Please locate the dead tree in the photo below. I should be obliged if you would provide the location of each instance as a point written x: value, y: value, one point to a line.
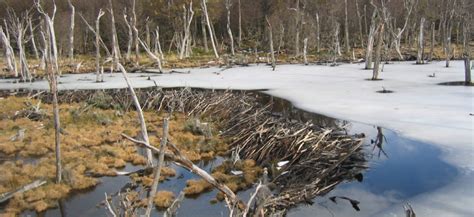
x: 152, y: 55
x: 188, y: 15
x: 318, y: 34
x: 270, y: 37
x: 359, y: 19
x: 228, y: 5
x: 370, y: 42
x: 147, y: 32
x: 378, y: 51
x: 53, y: 73
x: 204, y: 33
x: 130, y: 37
x: 157, y: 170
x: 99, y: 74
x: 158, y: 50
x: 467, y: 22
x: 92, y: 29
x: 432, y: 43
x: 9, y: 55
x: 305, y: 51
x: 32, y: 37
x: 397, y: 33
x: 144, y: 133
x: 336, y: 43
x: 298, y: 27
x: 346, y: 28
x: 447, y: 28
x: 281, y: 40
x: 116, y: 55
x: 71, y: 30
x: 136, y: 36
x: 209, y: 27
x: 18, y: 27
x: 419, y: 58
x: 240, y: 25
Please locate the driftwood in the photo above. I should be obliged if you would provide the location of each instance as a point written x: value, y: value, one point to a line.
x: 173, y: 209
x: 6, y: 196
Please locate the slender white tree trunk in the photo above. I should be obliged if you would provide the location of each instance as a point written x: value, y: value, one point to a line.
x: 318, y: 34
x: 419, y: 59
x: 433, y: 39
x: 71, y: 30
x: 370, y: 43
x: 378, y: 52
x: 240, y: 25
x: 116, y: 54
x: 346, y: 28
x: 187, y: 20
x: 99, y: 75
x: 228, y: 5
x: 157, y: 170
x: 130, y: 38
x: 135, y: 32
x: 208, y: 22
x: 10, y: 59
x: 158, y: 44
x: 305, y: 51
x: 270, y: 37
x: 32, y: 35
x: 359, y: 19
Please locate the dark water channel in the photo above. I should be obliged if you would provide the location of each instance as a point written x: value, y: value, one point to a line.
x: 408, y: 169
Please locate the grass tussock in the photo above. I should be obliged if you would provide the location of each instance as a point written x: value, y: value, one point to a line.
x: 163, y: 199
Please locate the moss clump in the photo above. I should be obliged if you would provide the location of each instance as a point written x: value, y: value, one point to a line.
x: 196, y: 187
x: 163, y: 199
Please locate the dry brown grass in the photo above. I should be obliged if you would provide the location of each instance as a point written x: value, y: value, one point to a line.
x: 163, y: 199
x: 91, y: 145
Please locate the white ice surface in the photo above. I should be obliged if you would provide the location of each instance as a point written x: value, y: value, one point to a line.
x: 418, y: 109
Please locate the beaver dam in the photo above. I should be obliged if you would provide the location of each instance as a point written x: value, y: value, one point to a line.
x: 270, y: 156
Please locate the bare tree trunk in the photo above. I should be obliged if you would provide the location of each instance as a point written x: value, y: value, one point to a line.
x: 298, y: 28
x: 346, y: 28
x: 52, y: 72
x: 378, y: 52
x: 32, y: 35
x: 71, y: 30
x: 151, y: 55
x: 24, y: 70
x: 141, y: 118
x: 130, y: 37
x: 370, y: 43
x: 99, y: 75
x: 135, y: 32
x: 147, y: 32
x: 336, y: 43
x: 282, y: 35
x: 270, y: 37
x: 419, y: 59
x: 359, y: 19
x: 10, y: 59
x: 208, y: 22
x: 204, y: 34
x: 305, y: 51
x: 467, y: 49
x: 116, y: 54
x: 157, y: 170
x: 318, y: 34
x: 228, y: 5
x: 240, y: 25
x: 158, y: 44
x: 433, y: 38
x: 187, y: 20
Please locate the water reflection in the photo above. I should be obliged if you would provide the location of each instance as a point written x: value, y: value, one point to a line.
x: 413, y: 168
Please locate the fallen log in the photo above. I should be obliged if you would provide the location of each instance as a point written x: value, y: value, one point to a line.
x: 8, y: 195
